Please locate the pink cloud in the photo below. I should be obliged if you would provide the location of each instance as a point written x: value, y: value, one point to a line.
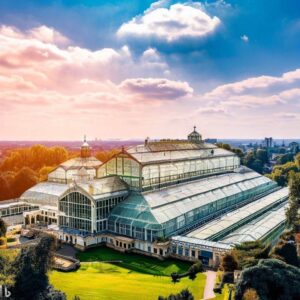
x: 157, y: 88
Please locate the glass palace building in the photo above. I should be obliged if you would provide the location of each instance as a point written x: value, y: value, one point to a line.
x: 182, y: 198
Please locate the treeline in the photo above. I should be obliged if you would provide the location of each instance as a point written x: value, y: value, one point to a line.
x: 254, y: 160
x: 283, y: 173
x: 23, y: 168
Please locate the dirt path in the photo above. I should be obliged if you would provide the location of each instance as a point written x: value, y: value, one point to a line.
x: 209, y: 286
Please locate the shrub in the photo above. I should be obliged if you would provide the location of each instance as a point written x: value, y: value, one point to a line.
x: 229, y: 262
x: 11, y: 239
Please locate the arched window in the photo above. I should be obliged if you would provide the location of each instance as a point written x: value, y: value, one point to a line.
x: 77, y: 211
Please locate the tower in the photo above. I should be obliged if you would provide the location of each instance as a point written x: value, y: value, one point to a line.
x: 194, y: 136
x: 85, y: 150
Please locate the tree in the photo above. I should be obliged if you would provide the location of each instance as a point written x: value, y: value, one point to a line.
x: 183, y: 295
x: 229, y: 262
x: 297, y: 160
x: 249, y: 253
x: 272, y: 279
x: 3, y: 228
x: 32, y: 265
x: 262, y: 155
x: 283, y: 159
x: 250, y: 294
x: 286, y: 251
x: 7, y: 270
x: 194, y: 269
x: 292, y: 213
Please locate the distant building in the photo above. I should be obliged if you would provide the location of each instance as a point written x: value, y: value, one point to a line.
x: 294, y: 147
x: 211, y: 141
x: 268, y: 142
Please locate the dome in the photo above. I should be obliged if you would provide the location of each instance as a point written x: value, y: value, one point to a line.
x: 194, y: 136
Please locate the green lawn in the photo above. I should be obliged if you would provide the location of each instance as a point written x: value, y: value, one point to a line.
x: 135, y: 262
x: 106, y: 281
x: 137, y: 277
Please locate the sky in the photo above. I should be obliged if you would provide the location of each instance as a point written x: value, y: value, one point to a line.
x: 134, y: 69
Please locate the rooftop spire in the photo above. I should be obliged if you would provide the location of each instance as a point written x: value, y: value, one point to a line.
x: 194, y: 136
x: 85, y: 148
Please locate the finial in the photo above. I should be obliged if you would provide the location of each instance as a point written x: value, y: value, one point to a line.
x: 194, y: 128
x: 84, y: 138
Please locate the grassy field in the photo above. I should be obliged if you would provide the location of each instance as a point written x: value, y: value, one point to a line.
x: 106, y: 281
x: 136, y: 277
x: 135, y: 262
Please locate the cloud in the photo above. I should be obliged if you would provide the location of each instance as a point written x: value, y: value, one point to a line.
x: 157, y: 88
x: 290, y: 94
x: 44, y: 74
x: 253, y: 83
x: 171, y: 24
x: 212, y: 111
x: 42, y: 33
x: 287, y: 115
x: 245, y: 38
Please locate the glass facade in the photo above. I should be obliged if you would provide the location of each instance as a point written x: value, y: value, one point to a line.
x: 162, y: 174
x: 127, y: 168
x: 170, y: 211
x: 15, y: 208
x: 77, y: 212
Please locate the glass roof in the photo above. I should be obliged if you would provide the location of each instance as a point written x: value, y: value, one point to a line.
x: 102, y: 186
x: 45, y: 193
x: 258, y: 228
x: 48, y: 193
x: 79, y: 162
x: 225, y: 222
x: 198, y: 243
x: 134, y: 211
x: 171, y: 202
x: 172, y: 151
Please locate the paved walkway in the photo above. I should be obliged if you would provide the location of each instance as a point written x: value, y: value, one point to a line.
x: 67, y: 250
x: 209, y: 286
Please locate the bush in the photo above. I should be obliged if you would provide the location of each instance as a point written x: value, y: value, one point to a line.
x: 194, y: 269
x: 183, y: 295
x: 228, y: 277
x: 229, y: 262
x: 11, y: 239
x: 2, y: 241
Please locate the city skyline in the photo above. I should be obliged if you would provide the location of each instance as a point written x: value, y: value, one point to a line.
x: 127, y: 69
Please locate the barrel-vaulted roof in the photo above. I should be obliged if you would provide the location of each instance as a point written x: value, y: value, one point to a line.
x: 165, y: 204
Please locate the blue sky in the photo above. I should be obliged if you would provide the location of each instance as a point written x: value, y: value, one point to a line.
x: 203, y: 44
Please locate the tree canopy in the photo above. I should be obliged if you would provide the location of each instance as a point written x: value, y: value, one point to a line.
x: 271, y: 279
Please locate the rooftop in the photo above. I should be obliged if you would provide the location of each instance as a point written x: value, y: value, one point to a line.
x: 259, y: 228
x: 160, y: 206
x: 226, y: 222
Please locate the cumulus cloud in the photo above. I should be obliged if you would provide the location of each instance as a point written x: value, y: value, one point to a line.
x: 245, y: 38
x: 157, y: 88
x: 171, y: 24
x: 41, y: 33
x: 253, y: 84
x: 42, y: 75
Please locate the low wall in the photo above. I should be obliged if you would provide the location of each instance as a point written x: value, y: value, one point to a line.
x: 75, y: 263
